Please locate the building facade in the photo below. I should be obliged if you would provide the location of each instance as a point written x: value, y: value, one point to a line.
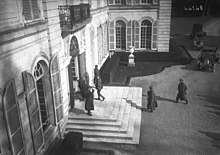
x: 45, y: 45
x: 143, y: 24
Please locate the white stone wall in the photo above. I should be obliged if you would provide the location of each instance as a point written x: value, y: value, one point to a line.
x: 98, y: 19
x: 137, y: 15
x: 164, y: 25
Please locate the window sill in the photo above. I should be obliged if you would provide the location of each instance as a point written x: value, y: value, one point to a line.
x: 25, y: 26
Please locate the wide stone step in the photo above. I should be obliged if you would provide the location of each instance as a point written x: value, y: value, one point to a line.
x: 92, y: 122
x: 115, y: 120
x: 90, y: 134
x: 95, y: 128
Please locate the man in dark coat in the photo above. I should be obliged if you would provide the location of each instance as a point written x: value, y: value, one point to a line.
x: 89, y: 105
x: 99, y: 86
x: 83, y: 87
x: 152, y: 102
x: 96, y: 73
x: 181, y: 92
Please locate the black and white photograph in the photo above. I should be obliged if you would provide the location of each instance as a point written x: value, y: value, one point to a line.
x: 109, y: 77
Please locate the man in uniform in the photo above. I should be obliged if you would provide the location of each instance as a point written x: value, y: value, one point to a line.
x: 181, y: 92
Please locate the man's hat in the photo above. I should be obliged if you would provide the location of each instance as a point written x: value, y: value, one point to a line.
x: 151, y: 87
x: 181, y: 80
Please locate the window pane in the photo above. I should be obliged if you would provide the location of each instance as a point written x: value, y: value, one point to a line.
x: 17, y: 142
x: 38, y: 139
x: 35, y: 8
x: 59, y: 113
x: 14, y: 122
x: 33, y: 101
x: 10, y: 97
x: 27, y: 10
x: 56, y: 81
x: 36, y: 120
x: 57, y: 97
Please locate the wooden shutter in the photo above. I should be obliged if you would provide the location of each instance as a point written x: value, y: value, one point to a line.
x: 35, y: 8
x: 56, y: 88
x: 13, y: 119
x: 26, y: 9
x: 136, y: 34
x: 129, y: 34
x: 110, y: 2
x: 33, y: 110
x: 154, y: 41
x: 111, y: 36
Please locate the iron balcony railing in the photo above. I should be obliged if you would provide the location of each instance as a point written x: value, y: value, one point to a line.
x: 73, y: 14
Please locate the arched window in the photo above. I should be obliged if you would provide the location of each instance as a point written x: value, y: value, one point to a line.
x: 120, y: 29
x: 146, y: 31
x: 40, y: 84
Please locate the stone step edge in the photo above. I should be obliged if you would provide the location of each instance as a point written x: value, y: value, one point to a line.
x: 104, y: 135
x: 111, y: 140
x: 104, y: 128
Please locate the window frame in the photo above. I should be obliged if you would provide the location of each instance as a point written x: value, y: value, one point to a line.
x: 39, y: 7
x: 151, y: 35
x: 121, y: 35
x: 10, y: 135
x: 120, y: 2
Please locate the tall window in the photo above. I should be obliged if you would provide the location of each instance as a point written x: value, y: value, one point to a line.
x: 31, y: 10
x: 120, y: 30
x: 39, y: 74
x: 146, y: 31
x: 120, y: 1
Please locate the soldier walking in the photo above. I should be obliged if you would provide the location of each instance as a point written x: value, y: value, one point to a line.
x: 181, y: 92
x: 152, y: 102
x: 99, y: 86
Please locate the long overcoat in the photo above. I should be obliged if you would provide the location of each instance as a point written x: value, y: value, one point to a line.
x: 89, y: 104
x: 96, y: 74
x: 83, y: 87
x: 152, y: 102
x: 182, y: 91
x: 98, y: 84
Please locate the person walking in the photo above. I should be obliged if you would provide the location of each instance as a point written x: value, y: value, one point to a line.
x: 96, y: 73
x: 181, y: 92
x: 99, y: 86
x: 152, y: 102
x: 89, y: 104
x: 83, y: 87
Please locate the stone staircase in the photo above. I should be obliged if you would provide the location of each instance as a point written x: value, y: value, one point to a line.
x: 117, y: 119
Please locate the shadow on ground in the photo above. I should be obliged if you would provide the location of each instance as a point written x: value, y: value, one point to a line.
x: 141, y: 69
x: 165, y: 99
x: 214, y: 107
x: 212, y: 99
x: 214, y: 136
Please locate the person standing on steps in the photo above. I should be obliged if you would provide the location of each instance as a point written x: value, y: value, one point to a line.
x: 181, y: 92
x: 83, y: 87
x: 89, y: 104
x: 152, y: 102
x: 96, y: 73
x: 99, y: 86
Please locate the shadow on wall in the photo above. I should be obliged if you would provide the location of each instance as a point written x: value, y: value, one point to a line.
x: 214, y: 136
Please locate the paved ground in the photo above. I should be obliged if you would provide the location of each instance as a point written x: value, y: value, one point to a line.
x: 176, y: 128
